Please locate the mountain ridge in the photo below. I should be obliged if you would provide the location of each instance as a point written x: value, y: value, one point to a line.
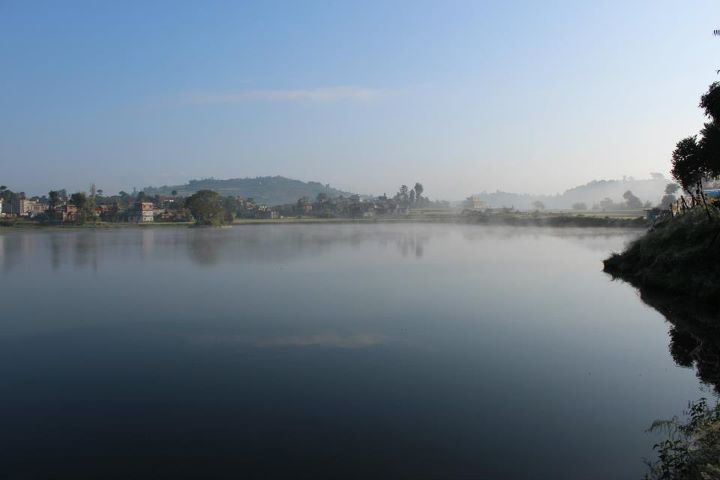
x: 270, y: 190
x: 593, y: 192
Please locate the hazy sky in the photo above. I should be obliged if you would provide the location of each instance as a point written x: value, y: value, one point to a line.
x: 461, y: 96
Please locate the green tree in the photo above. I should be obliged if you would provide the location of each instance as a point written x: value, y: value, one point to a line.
x: 710, y: 148
x: 53, y: 199
x: 53, y: 202
x: 710, y: 101
x: 403, y: 194
x: 579, y: 206
x: 687, y: 164
x: 83, y: 204
x: 607, y: 203
x: 206, y: 208
x: 538, y: 205
x: 669, y: 198
x: 631, y: 201
x: 419, y: 189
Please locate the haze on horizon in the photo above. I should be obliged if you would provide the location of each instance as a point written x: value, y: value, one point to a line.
x: 461, y: 96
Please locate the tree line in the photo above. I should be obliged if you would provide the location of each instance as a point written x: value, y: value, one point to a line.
x: 696, y: 158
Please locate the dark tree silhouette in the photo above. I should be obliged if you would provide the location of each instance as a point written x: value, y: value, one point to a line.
x: 687, y: 164
x: 631, y: 201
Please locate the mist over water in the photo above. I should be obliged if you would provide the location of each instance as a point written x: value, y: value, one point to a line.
x: 395, y: 351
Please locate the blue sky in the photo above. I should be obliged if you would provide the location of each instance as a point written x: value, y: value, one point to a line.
x: 461, y: 96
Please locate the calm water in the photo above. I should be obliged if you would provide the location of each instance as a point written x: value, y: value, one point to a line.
x: 358, y: 351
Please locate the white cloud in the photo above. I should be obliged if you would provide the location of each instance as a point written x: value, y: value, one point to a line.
x: 327, y: 94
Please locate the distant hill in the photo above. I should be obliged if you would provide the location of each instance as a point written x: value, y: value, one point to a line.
x: 591, y: 193
x: 268, y: 190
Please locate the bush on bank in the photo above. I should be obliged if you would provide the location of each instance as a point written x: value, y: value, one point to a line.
x: 680, y: 256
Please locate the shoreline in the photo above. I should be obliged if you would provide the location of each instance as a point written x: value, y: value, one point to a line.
x: 677, y: 258
x: 552, y: 220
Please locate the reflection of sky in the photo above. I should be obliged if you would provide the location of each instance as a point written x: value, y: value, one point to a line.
x: 85, y: 248
x: 323, y: 339
x: 511, y: 331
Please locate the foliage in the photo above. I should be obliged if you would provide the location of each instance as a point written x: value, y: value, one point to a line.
x: 54, y: 198
x: 687, y: 164
x: 692, y: 448
x: 710, y: 101
x: 84, y: 205
x: 671, y: 188
x: 669, y: 198
x: 206, y: 208
x: 697, y: 160
x: 579, y: 206
x: 264, y: 190
x: 632, y: 202
x: 679, y: 255
x: 666, y: 201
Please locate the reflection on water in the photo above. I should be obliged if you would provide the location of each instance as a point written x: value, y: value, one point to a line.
x: 326, y: 351
x: 694, y: 334
x: 84, y: 248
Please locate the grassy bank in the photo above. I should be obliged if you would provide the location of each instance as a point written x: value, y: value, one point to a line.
x: 679, y: 257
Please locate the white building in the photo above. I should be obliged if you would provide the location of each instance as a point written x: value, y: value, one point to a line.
x: 475, y: 203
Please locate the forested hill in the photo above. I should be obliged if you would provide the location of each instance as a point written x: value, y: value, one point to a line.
x: 268, y: 190
x: 591, y: 193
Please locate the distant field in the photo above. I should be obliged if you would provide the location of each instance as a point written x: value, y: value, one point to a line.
x: 600, y: 213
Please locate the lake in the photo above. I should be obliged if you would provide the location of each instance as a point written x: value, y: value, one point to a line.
x: 328, y: 351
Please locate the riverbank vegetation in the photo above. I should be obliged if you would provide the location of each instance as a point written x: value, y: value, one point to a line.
x: 675, y: 265
x: 691, y: 450
x: 681, y: 254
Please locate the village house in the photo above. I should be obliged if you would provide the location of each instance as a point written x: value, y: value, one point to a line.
x: 144, y: 212
x: 36, y: 208
x: 24, y: 207
x: 475, y: 203
x: 265, y: 212
x: 66, y: 213
x: 166, y: 201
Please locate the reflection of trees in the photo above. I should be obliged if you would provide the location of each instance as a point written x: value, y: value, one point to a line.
x: 694, y: 334
x: 85, y: 250
x: 279, y: 244
x: 15, y: 247
x: 411, y: 244
x: 203, y: 248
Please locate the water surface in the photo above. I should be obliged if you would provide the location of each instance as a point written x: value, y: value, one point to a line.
x: 315, y: 351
